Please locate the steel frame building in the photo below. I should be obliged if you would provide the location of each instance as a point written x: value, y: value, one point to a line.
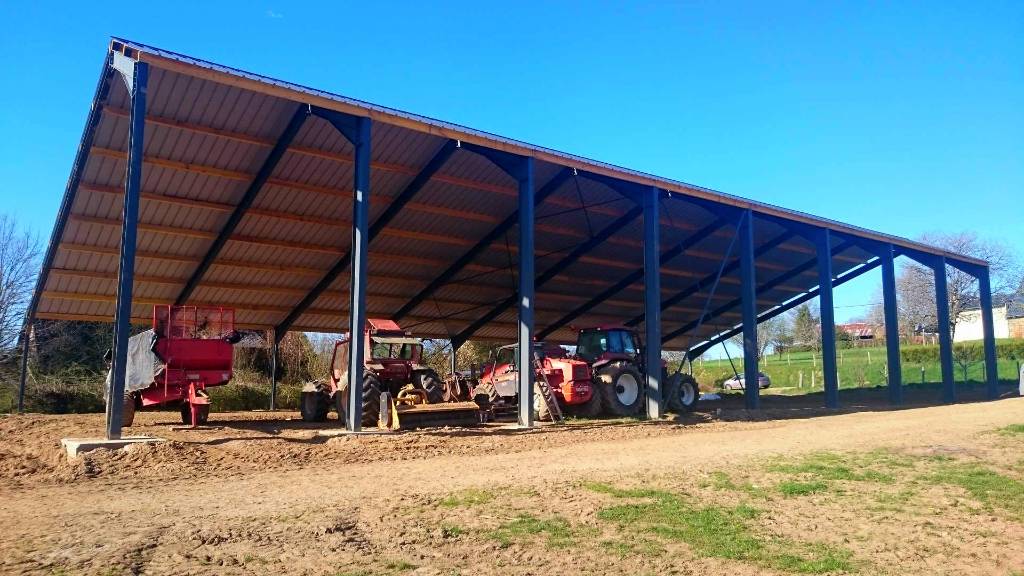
x: 222, y: 186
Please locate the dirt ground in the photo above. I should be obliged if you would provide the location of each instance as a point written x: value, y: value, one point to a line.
x: 916, y: 491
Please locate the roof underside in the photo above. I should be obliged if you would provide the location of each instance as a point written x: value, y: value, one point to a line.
x: 206, y: 137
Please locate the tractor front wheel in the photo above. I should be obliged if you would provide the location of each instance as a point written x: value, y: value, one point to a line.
x: 371, y: 398
x: 202, y: 414
x: 589, y: 409
x: 683, y: 393
x: 314, y: 403
x: 620, y: 386
x: 540, y: 406
x: 430, y: 383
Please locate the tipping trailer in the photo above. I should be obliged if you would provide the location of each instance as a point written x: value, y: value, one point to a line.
x: 397, y: 390
x: 188, y: 350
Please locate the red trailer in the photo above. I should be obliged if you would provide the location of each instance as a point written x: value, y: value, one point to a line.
x: 191, y: 350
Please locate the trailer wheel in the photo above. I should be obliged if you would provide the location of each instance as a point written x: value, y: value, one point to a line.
x: 683, y: 393
x: 429, y: 381
x: 314, y: 403
x: 620, y: 386
x: 203, y: 414
x: 371, y: 398
x: 589, y: 409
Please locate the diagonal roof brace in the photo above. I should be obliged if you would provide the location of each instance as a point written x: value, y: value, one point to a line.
x: 632, y: 278
x: 417, y: 184
x: 497, y: 232
x: 581, y: 250
x: 709, y: 279
x: 807, y: 266
x: 285, y: 140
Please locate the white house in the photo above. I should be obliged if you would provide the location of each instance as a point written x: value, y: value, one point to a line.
x: 1007, y: 319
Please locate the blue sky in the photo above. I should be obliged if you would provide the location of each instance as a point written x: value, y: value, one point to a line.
x: 900, y: 117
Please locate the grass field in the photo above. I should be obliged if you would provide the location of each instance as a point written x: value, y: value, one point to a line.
x: 801, y: 372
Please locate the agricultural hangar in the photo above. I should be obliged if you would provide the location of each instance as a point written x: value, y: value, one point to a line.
x: 196, y: 183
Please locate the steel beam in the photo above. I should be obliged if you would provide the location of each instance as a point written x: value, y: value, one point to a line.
x: 988, y: 334
x: 711, y: 278
x: 497, y: 232
x: 526, y: 294
x: 892, y: 327
x: 414, y: 187
x: 702, y: 347
x: 633, y: 277
x: 25, y: 340
x: 580, y: 251
x: 246, y: 201
x: 357, y: 282
x: 942, y: 325
x: 748, y: 276
x: 273, y: 371
x: 129, y: 232
x: 830, y: 375
x: 652, y: 302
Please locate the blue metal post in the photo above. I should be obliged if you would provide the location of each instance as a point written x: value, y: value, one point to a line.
x: 357, y: 279
x: 988, y: 334
x: 892, y: 326
x: 273, y: 371
x: 942, y: 325
x: 652, y: 302
x: 526, y: 293
x: 26, y: 336
x: 748, y: 277
x: 823, y: 240
x: 126, y: 267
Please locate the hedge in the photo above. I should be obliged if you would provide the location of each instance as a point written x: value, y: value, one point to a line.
x: 971, y: 351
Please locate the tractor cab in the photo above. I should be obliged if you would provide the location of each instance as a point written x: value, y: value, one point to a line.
x: 392, y: 353
x: 600, y: 345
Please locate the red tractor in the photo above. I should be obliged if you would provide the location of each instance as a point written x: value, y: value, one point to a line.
x: 569, y: 380
x: 616, y: 360
x: 415, y: 393
x: 189, y: 349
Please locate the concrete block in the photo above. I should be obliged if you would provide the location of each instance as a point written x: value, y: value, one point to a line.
x: 75, y: 447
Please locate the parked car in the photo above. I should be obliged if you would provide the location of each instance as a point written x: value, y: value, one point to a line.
x: 736, y: 382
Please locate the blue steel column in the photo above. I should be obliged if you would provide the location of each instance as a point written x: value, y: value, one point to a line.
x: 748, y: 277
x: 892, y: 326
x: 988, y: 334
x: 357, y: 280
x: 945, y: 339
x: 27, y: 333
x: 273, y: 371
x: 526, y: 294
x: 126, y: 268
x: 828, y: 319
x: 652, y: 302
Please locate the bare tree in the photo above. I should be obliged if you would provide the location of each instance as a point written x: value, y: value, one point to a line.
x: 915, y: 283
x: 19, y: 265
x: 771, y: 333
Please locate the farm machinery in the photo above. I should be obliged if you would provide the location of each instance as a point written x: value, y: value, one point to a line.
x: 397, y: 389
x: 188, y: 350
x: 567, y: 378
x: 616, y: 360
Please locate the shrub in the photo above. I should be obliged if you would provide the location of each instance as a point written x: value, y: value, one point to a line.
x: 965, y: 351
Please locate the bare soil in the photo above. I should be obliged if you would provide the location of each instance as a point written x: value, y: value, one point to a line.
x: 262, y: 493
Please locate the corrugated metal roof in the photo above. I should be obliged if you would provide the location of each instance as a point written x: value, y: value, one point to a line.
x: 208, y: 131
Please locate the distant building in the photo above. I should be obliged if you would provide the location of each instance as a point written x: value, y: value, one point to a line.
x: 1007, y: 319
x: 858, y: 330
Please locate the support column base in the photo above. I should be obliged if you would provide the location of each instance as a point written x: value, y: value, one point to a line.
x: 75, y: 447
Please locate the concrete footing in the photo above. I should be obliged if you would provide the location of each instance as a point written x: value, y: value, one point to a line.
x: 75, y: 447
x: 332, y: 432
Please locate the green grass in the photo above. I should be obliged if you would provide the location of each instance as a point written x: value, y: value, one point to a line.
x: 831, y: 466
x: 721, y: 481
x: 994, y: 490
x: 400, y: 565
x: 451, y: 531
x: 558, y: 531
x: 795, y: 488
x: 469, y: 497
x: 636, y: 546
x: 1011, y: 430
x: 717, y: 531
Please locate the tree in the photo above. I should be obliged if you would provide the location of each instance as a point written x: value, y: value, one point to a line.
x: 19, y: 265
x: 772, y: 333
x: 806, y: 327
x: 915, y: 284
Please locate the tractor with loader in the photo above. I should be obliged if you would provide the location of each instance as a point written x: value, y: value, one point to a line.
x: 616, y: 360
x: 397, y: 389
x: 567, y: 378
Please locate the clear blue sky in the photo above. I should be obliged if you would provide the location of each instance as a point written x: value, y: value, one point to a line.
x: 900, y: 117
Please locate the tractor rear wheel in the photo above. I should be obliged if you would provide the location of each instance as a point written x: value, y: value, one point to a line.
x: 314, y: 403
x: 620, y: 386
x: 683, y: 393
x: 429, y: 381
x: 128, y: 413
x: 589, y: 409
x: 485, y: 395
x: 540, y: 406
x: 202, y: 414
